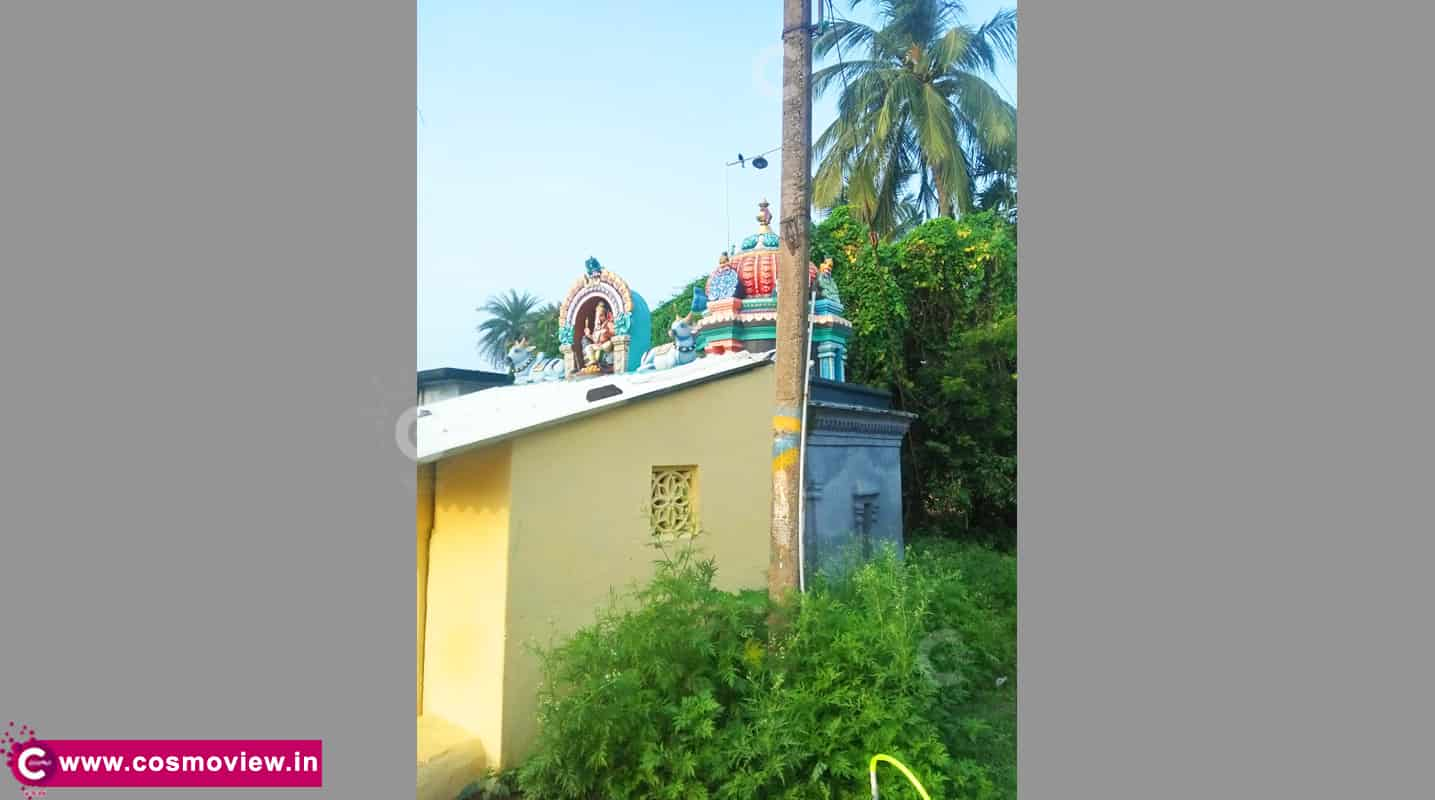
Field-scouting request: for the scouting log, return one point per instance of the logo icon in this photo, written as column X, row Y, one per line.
column 35, row 763
column 31, row 761
column 946, row 648
column 764, row 63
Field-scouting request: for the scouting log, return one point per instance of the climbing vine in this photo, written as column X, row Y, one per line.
column 934, row 322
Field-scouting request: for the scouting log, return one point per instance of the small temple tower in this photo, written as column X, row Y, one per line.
column 742, row 304
column 603, row 326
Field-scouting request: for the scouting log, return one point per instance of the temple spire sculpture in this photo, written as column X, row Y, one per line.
column 741, row 295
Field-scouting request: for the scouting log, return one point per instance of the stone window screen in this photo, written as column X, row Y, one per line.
column 673, row 509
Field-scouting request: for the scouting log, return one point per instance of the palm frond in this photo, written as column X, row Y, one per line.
column 842, row 73
column 510, row 317
column 843, row 34
column 999, row 194
column 936, row 127
column 988, row 118
column 951, row 49
column 1000, row 34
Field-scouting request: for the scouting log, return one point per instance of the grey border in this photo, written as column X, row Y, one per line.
column 1225, row 400
column 209, row 329
column 207, row 320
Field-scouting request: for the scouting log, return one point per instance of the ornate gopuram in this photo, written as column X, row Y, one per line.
column 742, row 304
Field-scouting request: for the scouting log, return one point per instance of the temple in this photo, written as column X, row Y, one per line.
column 536, row 500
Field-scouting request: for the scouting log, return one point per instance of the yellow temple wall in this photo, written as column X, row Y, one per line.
column 579, row 524
column 528, row 537
column 467, row 562
column 424, row 516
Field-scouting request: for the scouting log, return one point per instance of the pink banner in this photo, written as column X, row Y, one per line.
column 165, row 763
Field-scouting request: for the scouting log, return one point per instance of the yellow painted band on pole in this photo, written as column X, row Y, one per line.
column 872, row 770
column 786, row 424
column 784, row 460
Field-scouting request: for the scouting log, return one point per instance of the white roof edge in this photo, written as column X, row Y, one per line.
column 494, row 415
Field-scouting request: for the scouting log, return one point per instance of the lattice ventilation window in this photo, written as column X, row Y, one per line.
column 673, row 509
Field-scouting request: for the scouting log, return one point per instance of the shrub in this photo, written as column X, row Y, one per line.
column 676, row 306
column 684, row 692
column 843, row 684
column 492, row 786
column 632, row 705
column 934, row 321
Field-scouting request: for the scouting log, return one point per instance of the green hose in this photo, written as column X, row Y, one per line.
column 872, row 768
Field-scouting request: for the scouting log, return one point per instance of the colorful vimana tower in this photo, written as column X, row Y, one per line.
column 602, row 324
column 742, row 304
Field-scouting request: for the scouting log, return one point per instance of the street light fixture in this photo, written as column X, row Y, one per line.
column 758, row 161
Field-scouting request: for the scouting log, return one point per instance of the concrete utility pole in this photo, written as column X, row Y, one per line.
column 792, row 291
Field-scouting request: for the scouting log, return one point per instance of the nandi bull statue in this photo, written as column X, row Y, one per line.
column 684, row 346
column 532, row 367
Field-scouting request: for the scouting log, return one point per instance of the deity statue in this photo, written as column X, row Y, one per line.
column 598, row 340
column 603, row 326
column 530, row 366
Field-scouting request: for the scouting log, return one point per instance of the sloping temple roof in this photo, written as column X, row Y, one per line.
column 493, row 415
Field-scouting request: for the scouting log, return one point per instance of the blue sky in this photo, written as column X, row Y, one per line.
column 551, row 132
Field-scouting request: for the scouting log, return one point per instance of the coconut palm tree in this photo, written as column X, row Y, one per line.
column 996, row 173
column 902, row 215
column 914, row 108
column 510, row 317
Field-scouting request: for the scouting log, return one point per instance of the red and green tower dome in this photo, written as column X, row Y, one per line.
column 742, row 303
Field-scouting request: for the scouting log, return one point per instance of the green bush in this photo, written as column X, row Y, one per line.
column 545, row 331
column 629, row 707
column 934, row 322
column 975, row 595
column 676, row 306
column 492, row 786
column 682, row 691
